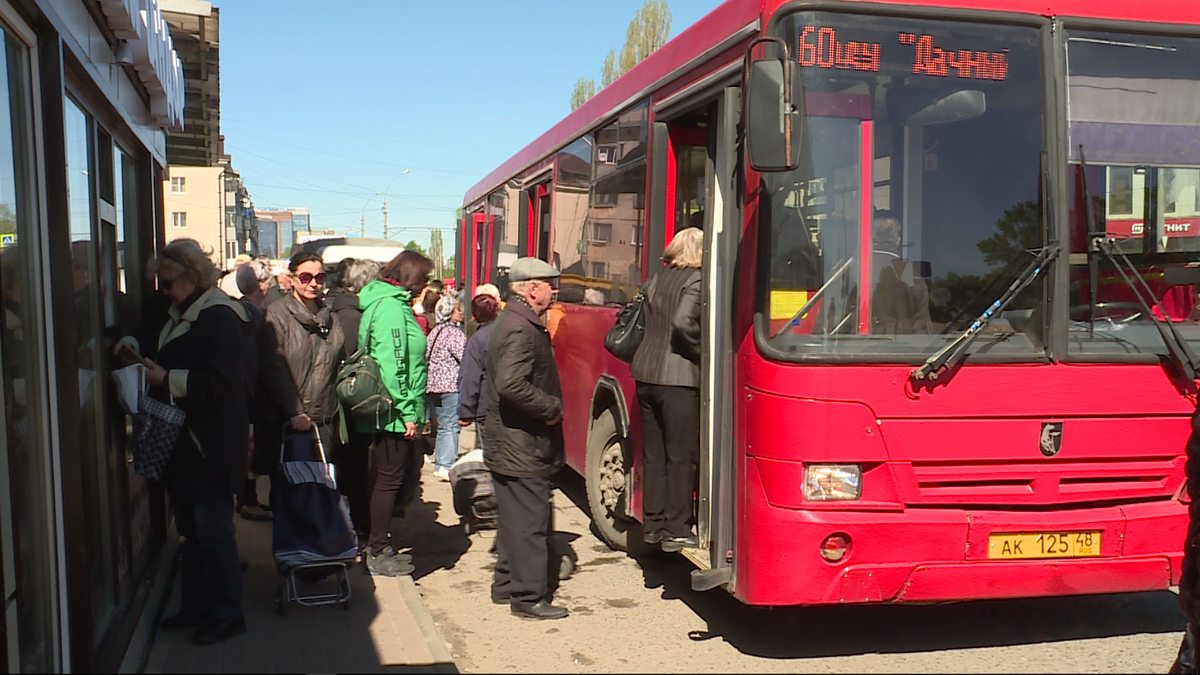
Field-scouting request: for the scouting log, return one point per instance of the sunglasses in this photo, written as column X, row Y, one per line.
column 165, row 284
column 307, row 277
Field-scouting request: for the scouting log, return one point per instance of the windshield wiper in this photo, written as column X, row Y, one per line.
column 946, row 357
column 1180, row 354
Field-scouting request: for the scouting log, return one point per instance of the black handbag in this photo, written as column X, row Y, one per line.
column 624, row 338
column 156, row 429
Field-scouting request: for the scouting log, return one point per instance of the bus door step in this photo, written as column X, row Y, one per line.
column 706, row 580
column 698, row 556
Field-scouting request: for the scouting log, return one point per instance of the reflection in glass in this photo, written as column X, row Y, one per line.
column 918, row 195
column 26, row 463
column 90, row 356
column 608, row 257
column 1133, row 122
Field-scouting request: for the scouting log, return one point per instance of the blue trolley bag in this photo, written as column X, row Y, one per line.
column 311, row 524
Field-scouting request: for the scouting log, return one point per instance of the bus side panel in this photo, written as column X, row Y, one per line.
column 582, row 360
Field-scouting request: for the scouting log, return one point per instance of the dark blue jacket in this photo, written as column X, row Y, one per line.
column 472, row 376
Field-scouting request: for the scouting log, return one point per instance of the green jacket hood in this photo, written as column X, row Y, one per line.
column 378, row 290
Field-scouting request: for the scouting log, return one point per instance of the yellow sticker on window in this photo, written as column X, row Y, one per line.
column 785, row 304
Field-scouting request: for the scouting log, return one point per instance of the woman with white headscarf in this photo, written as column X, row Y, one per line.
column 444, row 355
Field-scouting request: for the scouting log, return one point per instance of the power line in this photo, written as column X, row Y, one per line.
column 375, row 138
column 359, row 159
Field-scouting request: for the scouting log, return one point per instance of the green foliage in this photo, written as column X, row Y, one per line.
column 648, row 30
column 609, row 73
column 8, row 219
column 585, row 88
column 1017, row 231
column 416, row 248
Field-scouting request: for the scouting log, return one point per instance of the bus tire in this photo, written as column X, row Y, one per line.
column 606, row 480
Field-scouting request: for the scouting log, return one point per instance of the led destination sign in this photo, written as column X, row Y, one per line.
column 820, row 48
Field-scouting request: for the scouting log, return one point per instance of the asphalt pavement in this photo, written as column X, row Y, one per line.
column 632, row 615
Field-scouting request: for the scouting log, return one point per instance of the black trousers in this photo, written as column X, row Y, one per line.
column 352, row 477
column 523, row 556
column 392, row 459
column 671, row 453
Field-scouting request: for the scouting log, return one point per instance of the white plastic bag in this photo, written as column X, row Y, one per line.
column 130, row 383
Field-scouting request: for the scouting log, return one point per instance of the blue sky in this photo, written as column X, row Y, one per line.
column 324, row 104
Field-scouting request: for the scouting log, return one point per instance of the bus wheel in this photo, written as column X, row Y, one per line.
column 606, row 479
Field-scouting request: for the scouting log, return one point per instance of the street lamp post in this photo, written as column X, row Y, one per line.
column 363, row 218
column 385, row 191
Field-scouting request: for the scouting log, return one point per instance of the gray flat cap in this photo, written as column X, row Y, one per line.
column 524, row 269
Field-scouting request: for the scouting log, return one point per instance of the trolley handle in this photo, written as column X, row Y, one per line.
column 287, row 427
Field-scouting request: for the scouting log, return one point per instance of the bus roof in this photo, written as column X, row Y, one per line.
column 733, row 16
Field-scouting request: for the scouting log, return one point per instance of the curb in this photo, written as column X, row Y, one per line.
column 137, row 654
column 433, row 639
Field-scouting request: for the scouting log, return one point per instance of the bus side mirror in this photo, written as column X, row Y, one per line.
column 773, row 105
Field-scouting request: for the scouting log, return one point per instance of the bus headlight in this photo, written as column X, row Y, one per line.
column 832, row 482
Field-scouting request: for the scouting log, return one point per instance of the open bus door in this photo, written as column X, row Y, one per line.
column 534, row 235
column 695, row 171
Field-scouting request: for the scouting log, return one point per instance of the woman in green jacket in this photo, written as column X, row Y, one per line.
column 389, row 330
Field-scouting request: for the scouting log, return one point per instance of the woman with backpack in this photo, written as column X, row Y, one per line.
column 390, row 335
column 444, row 356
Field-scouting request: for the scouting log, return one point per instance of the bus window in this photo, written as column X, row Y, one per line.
column 917, row 197
column 1132, row 120
column 570, row 204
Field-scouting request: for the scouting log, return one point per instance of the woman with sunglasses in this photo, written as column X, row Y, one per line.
column 300, row 373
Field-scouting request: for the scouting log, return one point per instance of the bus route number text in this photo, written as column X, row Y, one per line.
column 819, row 47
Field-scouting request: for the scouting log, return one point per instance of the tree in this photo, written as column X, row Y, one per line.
column 609, row 73
column 436, row 252
column 585, row 88
column 648, row 31
column 416, row 248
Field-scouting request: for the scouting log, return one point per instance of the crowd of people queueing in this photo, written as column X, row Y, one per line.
column 268, row 360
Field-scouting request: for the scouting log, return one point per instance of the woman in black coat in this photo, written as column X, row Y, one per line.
column 666, row 369
column 198, row 364
column 354, row 446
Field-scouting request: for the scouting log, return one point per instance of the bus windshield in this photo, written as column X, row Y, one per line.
column 1134, row 129
column 917, row 201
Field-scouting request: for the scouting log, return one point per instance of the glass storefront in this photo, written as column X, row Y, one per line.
column 28, row 546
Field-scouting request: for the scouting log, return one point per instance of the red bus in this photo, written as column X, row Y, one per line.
column 933, row 370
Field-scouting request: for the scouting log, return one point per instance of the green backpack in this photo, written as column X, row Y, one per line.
column 360, row 387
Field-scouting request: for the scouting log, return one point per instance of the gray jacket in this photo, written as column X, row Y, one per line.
column 670, row 349
column 299, row 373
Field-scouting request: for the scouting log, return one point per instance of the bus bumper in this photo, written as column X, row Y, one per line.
column 941, row 554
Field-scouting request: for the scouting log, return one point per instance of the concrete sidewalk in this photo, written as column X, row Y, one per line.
column 385, row 629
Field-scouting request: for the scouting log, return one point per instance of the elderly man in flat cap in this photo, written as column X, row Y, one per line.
column 523, row 447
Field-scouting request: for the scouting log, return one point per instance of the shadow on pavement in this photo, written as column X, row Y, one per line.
column 794, row 632
column 432, row 545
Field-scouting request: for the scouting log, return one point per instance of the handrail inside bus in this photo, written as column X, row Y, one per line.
column 816, row 296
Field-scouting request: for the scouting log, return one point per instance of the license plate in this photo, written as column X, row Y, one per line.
column 1044, row 545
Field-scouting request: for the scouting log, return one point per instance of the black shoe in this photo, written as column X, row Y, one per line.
column 652, row 536
column 675, row 544
column 219, row 631
column 387, row 566
column 180, row 621
column 255, row 512
column 542, row 610
column 402, row 557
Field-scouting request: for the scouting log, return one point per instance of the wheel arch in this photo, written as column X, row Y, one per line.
column 608, row 395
